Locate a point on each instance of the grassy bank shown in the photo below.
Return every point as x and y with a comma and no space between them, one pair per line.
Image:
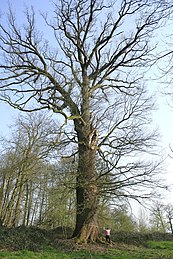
37,243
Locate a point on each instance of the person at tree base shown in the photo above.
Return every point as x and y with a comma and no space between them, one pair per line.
107,233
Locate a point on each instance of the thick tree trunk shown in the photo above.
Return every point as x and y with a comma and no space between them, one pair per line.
86,189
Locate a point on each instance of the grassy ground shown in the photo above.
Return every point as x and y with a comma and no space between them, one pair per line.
126,252
23,243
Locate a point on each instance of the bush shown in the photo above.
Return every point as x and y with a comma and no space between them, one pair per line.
139,238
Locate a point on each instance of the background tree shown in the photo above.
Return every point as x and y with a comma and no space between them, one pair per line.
61,196
169,216
22,165
158,220
161,218
142,221
123,220
92,77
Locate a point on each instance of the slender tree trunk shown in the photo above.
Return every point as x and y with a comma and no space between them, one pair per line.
29,202
86,187
2,194
7,186
170,223
17,207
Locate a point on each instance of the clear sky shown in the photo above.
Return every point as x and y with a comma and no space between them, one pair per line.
163,117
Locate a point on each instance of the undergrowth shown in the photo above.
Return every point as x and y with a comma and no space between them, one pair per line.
32,242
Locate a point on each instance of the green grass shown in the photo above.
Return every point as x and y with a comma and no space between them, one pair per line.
35,243
168,245
153,250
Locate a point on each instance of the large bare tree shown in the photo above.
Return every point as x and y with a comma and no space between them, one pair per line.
90,71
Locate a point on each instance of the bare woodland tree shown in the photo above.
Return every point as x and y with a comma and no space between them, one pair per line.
158,217
162,217
169,216
92,78
21,163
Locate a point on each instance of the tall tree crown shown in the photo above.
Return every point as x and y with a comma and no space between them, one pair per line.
92,75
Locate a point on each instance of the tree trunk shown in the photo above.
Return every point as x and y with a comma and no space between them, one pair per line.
170,223
86,188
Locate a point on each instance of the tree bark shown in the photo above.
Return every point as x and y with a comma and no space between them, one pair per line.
86,187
